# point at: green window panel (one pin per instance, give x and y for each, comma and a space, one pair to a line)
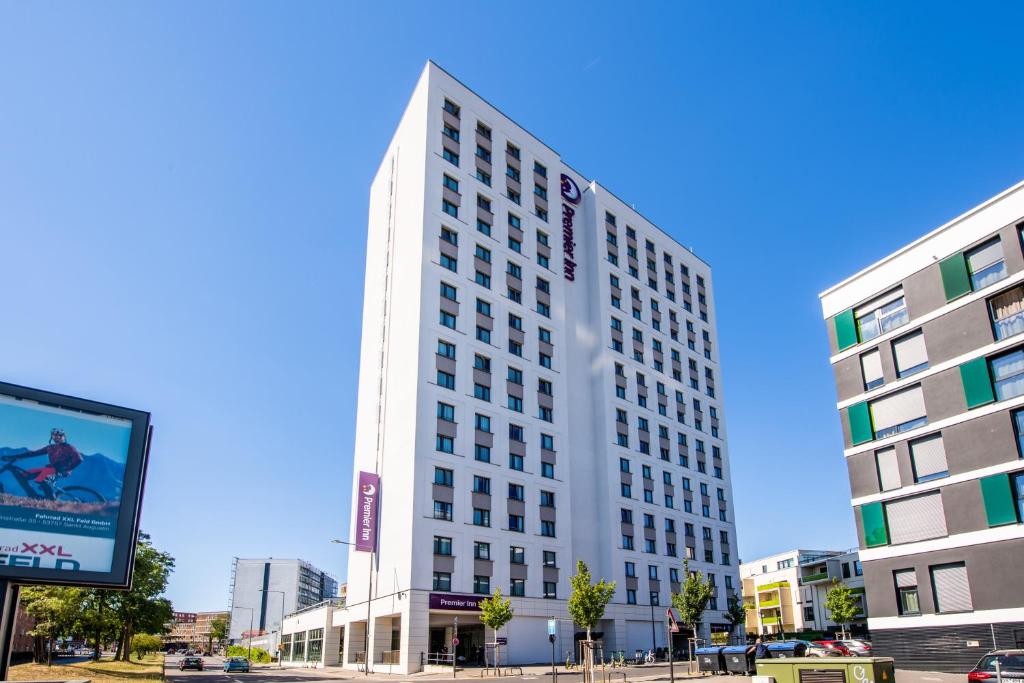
861, 430
977, 382
872, 517
955, 279
1000, 508
846, 329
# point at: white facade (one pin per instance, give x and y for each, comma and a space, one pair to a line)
265, 589
527, 431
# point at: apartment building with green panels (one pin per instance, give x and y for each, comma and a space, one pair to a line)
927, 350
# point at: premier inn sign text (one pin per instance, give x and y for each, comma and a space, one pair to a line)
571, 194
366, 512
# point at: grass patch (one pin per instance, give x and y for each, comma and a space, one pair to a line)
103, 671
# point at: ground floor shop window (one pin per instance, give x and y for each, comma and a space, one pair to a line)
316, 642
299, 647
286, 647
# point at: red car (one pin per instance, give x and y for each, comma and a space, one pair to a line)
835, 646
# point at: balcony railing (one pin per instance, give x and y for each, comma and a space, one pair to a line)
813, 578
765, 604
769, 620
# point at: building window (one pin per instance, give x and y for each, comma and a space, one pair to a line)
481, 517
445, 444
906, 592
481, 485
450, 156
483, 423
481, 585
928, 456
447, 320
905, 410
449, 208
910, 353
550, 590
916, 518
443, 477
951, 588
871, 367
516, 555
481, 550
547, 470
515, 462
1008, 375
1007, 311
445, 412
547, 528
882, 315
481, 392
516, 523
442, 581
655, 599
888, 469
516, 492
547, 499
549, 559
442, 511
517, 588
630, 596
442, 545
985, 264
450, 263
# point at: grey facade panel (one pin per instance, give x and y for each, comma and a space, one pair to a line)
958, 332
993, 571
981, 442
923, 291
944, 395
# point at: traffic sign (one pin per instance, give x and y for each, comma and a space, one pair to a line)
552, 627
455, 641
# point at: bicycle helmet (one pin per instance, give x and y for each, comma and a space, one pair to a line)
57, 431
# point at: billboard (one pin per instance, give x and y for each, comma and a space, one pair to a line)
71, 480
366, 517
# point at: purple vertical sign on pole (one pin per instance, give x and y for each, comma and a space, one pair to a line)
366, 512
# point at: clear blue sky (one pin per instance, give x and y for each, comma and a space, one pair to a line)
183, 198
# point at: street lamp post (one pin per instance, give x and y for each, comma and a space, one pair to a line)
280, 628
369, 593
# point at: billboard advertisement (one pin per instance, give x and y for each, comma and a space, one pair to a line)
71, 478
366, 512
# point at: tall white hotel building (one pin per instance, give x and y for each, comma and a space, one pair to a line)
539, 383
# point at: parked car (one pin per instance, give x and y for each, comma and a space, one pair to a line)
190, 663
835, 645
1011, 666
815, 650
236, 664
859, 648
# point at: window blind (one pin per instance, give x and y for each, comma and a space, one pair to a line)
916, 519
929, 457
898, 408
871, 366
906, 578
875, 304
910, 352
985, 256
888, 469
952, 591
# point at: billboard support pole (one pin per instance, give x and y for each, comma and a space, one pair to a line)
8, 613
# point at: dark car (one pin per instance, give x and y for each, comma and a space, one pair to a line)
835, 645
1011, 667
190, 663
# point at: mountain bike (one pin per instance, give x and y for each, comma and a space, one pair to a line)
49, 491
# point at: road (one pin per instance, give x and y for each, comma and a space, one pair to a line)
654, 673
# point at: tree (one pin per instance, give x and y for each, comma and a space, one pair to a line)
141, 609
56, 610
218, 631
693, 599
144, 644
736, 612
587, 602
840, 602
495, 612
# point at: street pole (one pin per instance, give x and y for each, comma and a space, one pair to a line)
671, 666
280, 629
251, 613
654, 639
455, 644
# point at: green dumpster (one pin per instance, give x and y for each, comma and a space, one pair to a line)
828, 670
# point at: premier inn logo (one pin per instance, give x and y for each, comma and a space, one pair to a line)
570, 193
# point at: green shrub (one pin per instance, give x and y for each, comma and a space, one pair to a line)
259, 655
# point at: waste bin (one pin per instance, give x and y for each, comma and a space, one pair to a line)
709, 659
828, 669
787, 648
739, 659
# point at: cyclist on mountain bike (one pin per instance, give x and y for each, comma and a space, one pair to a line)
63, 458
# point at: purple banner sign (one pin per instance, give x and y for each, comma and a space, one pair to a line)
366, 512
449, 601
570, 193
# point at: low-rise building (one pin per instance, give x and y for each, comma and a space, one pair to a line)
785, 593
192, 630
